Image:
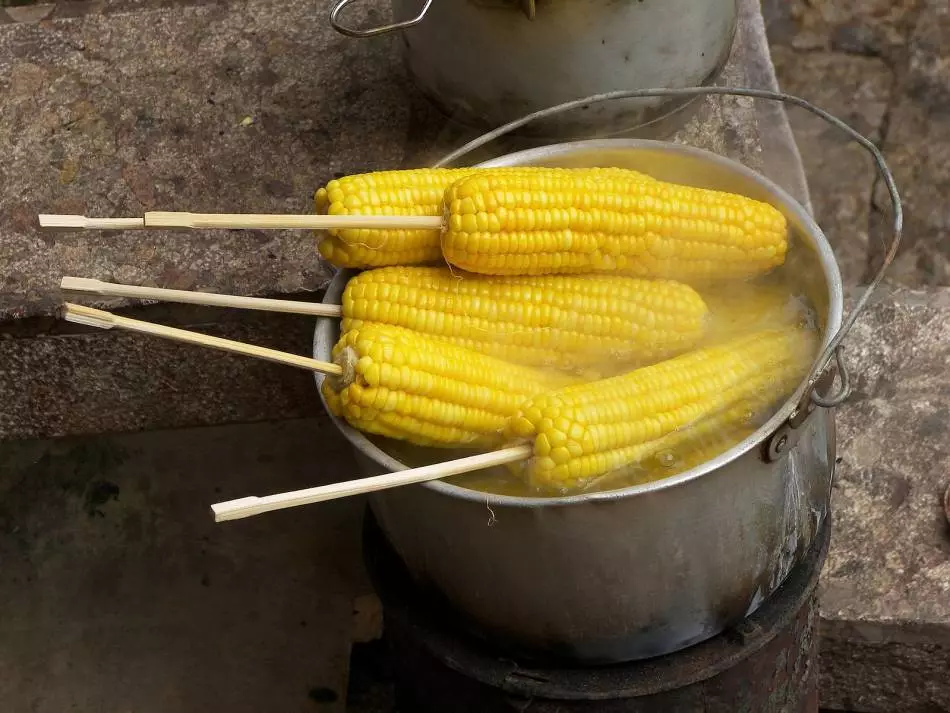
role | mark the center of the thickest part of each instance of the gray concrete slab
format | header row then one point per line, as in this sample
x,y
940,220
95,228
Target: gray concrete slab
x,y
123,112
885,590
57,379
121,594
918,149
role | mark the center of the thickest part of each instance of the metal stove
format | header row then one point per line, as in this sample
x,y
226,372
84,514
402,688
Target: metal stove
x,y
766,664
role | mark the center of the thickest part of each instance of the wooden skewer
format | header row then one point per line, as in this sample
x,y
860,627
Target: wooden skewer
x,y
249,506
81,222
291,222
241,221
112,289
106,320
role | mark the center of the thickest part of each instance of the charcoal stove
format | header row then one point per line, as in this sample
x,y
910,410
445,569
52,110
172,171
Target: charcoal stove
x,y
766,664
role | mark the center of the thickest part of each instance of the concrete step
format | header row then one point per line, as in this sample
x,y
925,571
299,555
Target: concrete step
x,y
57,379
140,105
122,594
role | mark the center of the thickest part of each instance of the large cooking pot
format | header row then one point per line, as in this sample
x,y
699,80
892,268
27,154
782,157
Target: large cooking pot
x,y
487,62
650,569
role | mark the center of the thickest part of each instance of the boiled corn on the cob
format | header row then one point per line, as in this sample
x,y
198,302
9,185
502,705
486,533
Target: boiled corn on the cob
x,y
564,321
413,192
410,192
567,221
687,448
583,432
412,387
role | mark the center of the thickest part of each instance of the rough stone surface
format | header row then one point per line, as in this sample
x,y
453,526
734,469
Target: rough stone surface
x,y
122,594
65,381
103,119
867,27
911,38
29,13
885,591
842,174
918,148
883,677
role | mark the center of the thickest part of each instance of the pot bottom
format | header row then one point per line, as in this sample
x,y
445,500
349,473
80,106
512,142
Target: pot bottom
x,y
429,611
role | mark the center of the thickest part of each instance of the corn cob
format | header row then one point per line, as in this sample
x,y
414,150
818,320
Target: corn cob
x,y
687,448
404,192
582,432
565,221
412,192
662,458
562,321
411,387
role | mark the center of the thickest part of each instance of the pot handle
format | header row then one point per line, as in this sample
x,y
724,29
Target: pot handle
x,y
373,31
817,377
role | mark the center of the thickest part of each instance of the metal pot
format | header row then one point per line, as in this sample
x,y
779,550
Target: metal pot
x,y
487,62
650,569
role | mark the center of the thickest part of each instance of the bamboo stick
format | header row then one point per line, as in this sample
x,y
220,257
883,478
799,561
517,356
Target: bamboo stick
x,y
197,221
250,506
112,289
81,222
241,221
106,320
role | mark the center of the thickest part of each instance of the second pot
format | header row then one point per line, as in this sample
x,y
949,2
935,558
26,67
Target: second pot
x,y
487,62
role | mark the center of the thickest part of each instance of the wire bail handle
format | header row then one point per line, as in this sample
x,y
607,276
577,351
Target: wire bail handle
x,y
810,397
527,7
373,31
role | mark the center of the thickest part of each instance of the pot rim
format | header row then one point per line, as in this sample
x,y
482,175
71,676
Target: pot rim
x,y
833,322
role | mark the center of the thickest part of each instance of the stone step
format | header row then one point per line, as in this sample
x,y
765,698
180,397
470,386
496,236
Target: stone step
x,y
885,590
58,379
122,594
118,112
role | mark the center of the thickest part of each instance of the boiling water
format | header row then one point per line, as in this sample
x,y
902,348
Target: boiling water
x,y
775,300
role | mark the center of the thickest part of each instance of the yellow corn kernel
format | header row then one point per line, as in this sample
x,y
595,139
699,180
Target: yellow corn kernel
x,y
687,448
418,191
568,221
583,432
561,321
412,387
663,458
410,192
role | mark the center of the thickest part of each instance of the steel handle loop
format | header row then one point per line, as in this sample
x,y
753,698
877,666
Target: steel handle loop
x,y
373,31
809,397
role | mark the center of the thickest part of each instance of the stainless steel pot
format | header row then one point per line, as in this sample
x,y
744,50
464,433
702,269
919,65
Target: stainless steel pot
x,y
650,569
491,61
